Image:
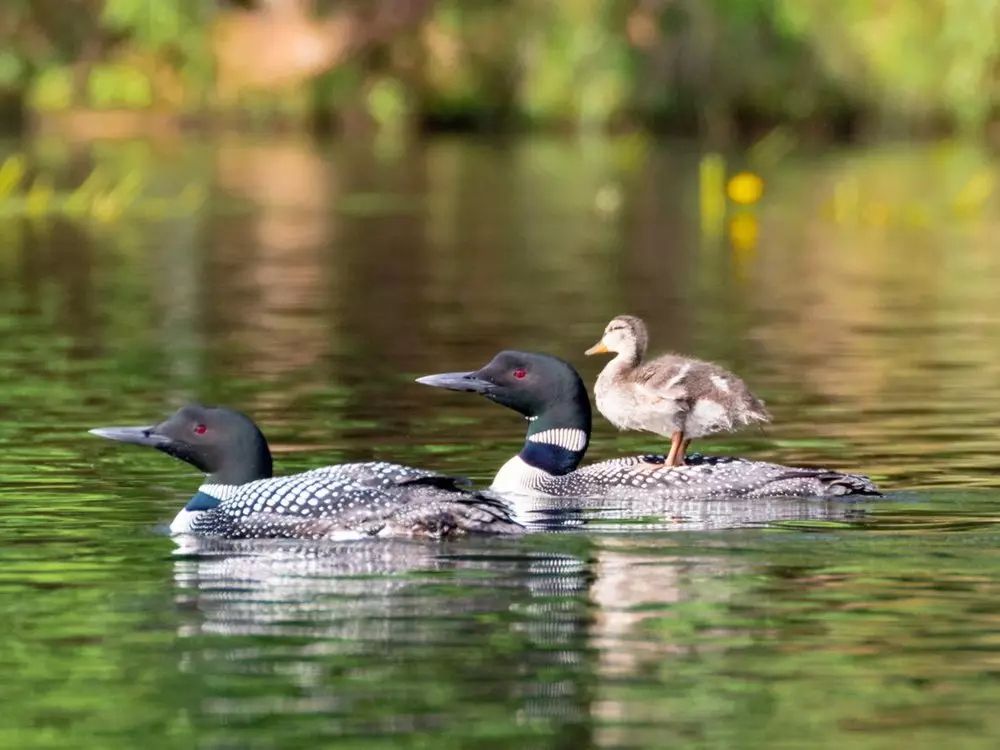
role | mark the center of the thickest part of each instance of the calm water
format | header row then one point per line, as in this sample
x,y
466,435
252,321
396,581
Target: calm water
x,y
315,285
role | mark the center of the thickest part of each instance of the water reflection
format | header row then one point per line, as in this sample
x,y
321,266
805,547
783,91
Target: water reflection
x,y
653,514
319,605
271,264
319,269
312,289
348,591
359,616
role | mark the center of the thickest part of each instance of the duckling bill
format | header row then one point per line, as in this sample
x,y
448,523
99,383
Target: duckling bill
x,y
678,397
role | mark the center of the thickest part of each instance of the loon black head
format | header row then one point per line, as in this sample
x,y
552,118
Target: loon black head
x,y
224,444
546,390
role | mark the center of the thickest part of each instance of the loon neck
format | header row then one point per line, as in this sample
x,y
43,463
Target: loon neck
x,y
250,471
232,474
557,439
245,458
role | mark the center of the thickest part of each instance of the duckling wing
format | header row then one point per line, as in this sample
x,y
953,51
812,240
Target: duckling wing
x,y
689,382
723,387
663,373
662,385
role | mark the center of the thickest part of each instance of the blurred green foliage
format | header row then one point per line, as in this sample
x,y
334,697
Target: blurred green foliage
x,y
707,65
130,181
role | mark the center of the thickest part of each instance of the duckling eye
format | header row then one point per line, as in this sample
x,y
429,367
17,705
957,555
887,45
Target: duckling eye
x,y
200,429
520,373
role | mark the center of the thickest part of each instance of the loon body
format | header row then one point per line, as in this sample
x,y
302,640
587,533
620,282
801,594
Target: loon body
x,y
677,397
240,499
550,394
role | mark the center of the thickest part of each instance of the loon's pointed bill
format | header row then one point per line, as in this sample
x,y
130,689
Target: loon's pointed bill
x,y
136,435
240,498
457,381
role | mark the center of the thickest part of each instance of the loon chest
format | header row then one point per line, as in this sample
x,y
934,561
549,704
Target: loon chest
x,y
546,454
518,477
197,506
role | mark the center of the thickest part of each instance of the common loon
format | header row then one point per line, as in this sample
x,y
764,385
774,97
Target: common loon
x,y
240,499
550,394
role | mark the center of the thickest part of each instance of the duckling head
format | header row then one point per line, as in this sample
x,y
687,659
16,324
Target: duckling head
x,y
625,334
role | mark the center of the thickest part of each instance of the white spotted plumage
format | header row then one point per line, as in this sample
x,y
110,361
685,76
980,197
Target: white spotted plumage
x,y
703,478
365,499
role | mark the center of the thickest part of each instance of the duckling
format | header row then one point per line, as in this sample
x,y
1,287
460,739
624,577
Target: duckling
x,y
682,397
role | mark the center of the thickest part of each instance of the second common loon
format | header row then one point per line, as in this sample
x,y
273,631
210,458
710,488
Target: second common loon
x,y
240,499
550,394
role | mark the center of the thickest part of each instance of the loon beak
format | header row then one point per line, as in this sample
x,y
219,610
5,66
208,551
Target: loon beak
x,y
598,348
134,435
457,381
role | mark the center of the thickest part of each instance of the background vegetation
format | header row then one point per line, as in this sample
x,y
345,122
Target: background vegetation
x,y
715,67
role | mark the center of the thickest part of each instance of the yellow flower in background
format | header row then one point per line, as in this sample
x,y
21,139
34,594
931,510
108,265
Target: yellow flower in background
x,y
743,231
745,188
975,193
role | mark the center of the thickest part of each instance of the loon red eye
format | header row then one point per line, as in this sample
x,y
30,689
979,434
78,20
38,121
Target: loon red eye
x,y
519,373
200,429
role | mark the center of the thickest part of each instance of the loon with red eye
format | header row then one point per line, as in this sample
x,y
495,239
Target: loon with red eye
x,y
556,404
241,499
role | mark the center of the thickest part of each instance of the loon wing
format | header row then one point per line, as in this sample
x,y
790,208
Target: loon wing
x,y
713,477
383,474
321,504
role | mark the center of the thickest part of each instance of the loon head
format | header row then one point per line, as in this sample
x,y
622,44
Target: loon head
x,y
546,390
224,444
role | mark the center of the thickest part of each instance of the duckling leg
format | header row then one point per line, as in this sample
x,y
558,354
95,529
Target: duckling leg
x,y
676,456
684,451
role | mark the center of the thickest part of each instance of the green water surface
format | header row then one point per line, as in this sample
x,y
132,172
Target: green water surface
x,y
311,289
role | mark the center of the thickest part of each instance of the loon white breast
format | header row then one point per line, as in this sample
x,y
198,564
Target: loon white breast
x,y
240,499
550,394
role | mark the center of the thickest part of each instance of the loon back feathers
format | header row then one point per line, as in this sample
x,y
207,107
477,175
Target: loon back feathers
x,y
348,501
703,478
383,474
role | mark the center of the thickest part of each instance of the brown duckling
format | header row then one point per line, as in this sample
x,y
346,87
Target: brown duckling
x,y
675,396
